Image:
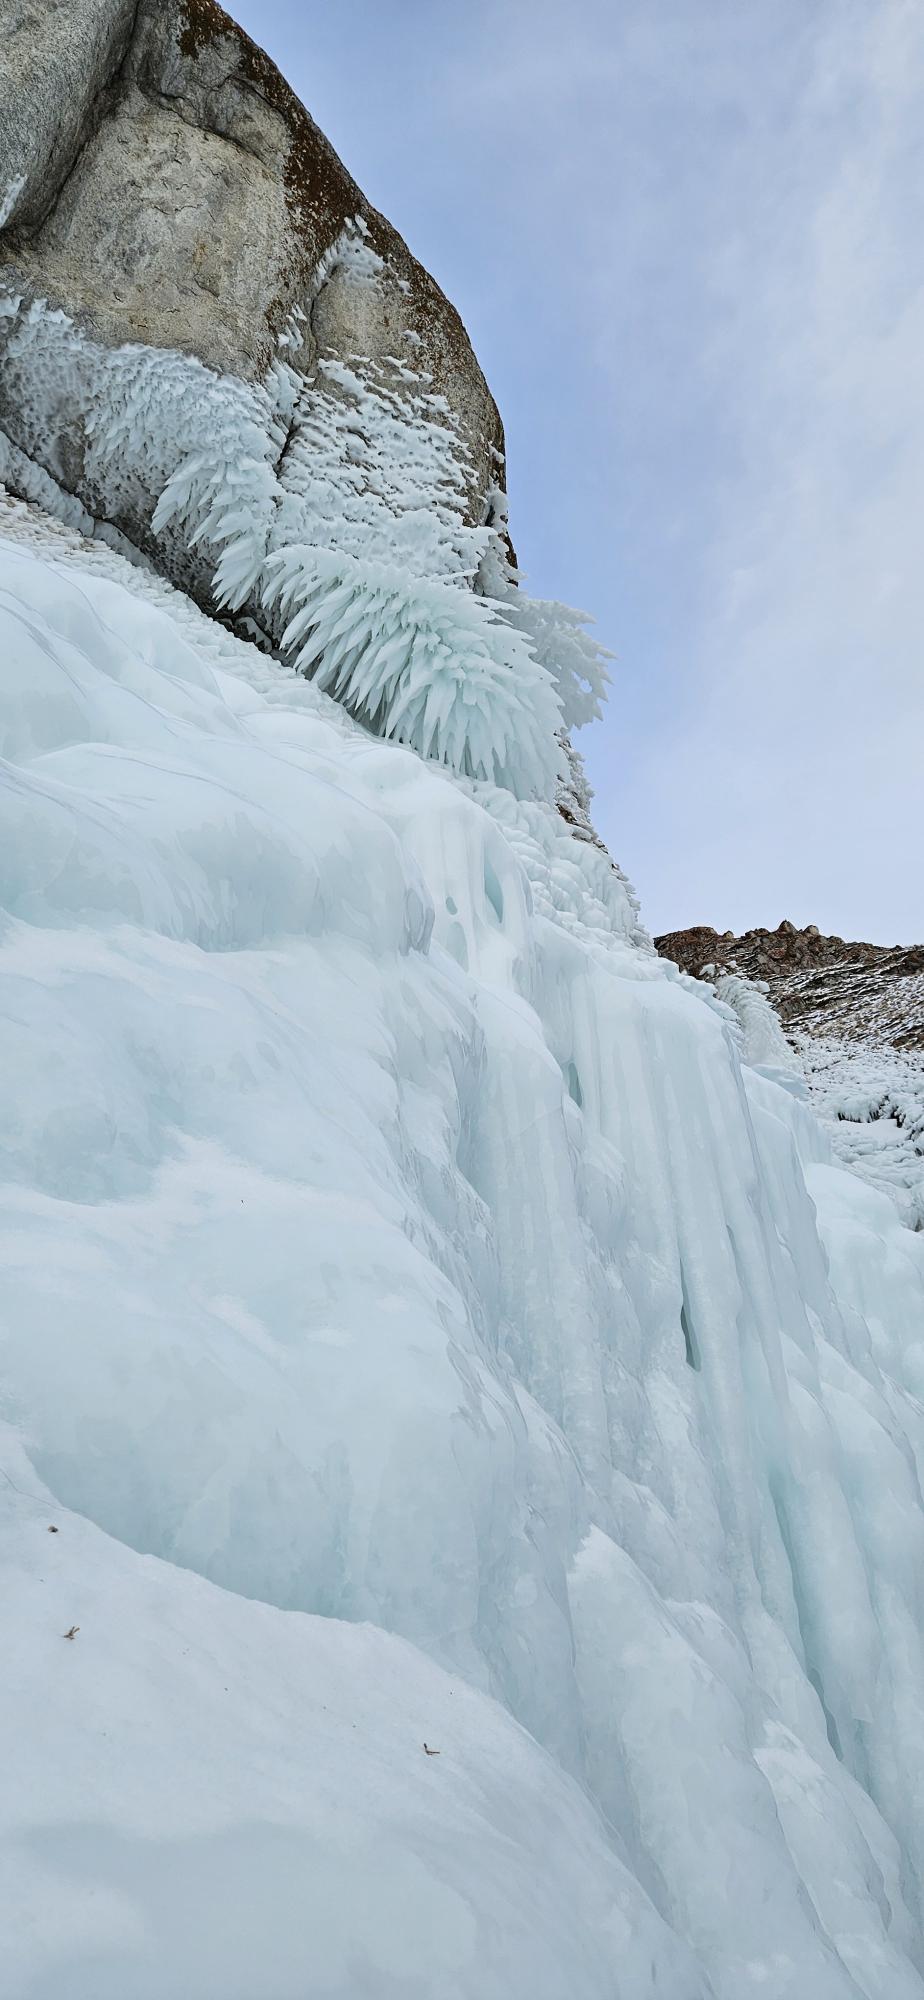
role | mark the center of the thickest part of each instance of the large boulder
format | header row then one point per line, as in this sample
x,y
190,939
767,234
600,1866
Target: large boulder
x,y
162,191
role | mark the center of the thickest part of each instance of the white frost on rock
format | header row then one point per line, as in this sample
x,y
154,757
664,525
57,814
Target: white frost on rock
x,y
335,505
10,198
352,256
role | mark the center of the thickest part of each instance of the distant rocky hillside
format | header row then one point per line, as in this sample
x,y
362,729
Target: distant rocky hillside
x,y
819,985
853,1013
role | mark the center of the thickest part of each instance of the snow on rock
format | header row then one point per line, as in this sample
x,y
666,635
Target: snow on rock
x,y
388,1236
333,511
872,1100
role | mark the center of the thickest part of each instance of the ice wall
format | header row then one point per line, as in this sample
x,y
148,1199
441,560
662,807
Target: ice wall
x,y
389,1235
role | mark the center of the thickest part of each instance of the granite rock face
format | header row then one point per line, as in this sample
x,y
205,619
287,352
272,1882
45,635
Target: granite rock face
x,y
161,186
57,60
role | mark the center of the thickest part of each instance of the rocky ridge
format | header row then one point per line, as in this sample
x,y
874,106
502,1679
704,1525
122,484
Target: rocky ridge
x,y
853,1014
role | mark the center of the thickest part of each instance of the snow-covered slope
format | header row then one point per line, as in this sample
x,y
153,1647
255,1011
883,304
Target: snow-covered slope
x,y
420,1327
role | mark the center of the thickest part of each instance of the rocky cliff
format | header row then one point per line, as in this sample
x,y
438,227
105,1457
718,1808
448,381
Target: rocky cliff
x,y
218,358
161,187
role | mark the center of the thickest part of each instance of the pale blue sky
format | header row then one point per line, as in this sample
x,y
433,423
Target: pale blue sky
x,y
686,239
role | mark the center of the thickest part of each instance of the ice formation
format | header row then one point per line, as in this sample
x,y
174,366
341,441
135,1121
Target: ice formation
x,y
763,1043
390,1237
462,1523
332,511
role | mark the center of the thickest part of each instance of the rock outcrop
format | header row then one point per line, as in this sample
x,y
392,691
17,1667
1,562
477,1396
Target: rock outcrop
x,y
162,188
853,1014
818,985
218,358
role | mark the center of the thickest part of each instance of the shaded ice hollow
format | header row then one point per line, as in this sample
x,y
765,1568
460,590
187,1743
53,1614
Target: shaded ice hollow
x,y
432,1322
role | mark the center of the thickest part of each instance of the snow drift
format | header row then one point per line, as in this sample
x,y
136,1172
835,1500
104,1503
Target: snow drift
x,y
422,1326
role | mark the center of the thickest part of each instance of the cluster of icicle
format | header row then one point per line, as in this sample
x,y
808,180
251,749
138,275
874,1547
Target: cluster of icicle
x,y
333,512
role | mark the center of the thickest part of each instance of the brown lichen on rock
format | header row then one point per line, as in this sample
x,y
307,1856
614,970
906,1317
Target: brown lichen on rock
x,y
202,22
318,188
